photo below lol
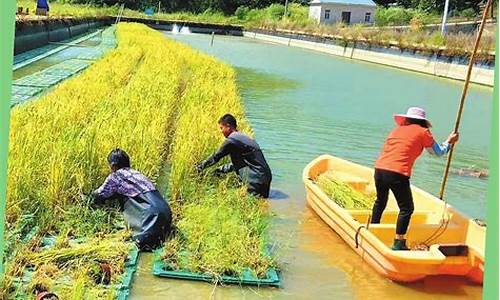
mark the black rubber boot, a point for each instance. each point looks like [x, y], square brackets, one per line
[399, 245]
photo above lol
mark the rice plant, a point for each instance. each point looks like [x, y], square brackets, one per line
[221, 229]
[343, 194]
[160, 101]
[58, 143]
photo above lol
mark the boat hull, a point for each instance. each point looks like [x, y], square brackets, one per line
[372, 241]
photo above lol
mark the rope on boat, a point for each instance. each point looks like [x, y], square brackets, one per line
[357, 235]
[367, 226]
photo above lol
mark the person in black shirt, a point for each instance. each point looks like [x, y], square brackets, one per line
[247, 159]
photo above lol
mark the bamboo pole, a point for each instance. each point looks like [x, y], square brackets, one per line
[464, 95]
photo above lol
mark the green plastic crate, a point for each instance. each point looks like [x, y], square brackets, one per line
[26, 90]
[92, 54]
[163, 270]
[122, 288]
[40, 79]
[130, 268]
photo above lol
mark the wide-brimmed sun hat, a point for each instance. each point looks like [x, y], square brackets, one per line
[413, 113]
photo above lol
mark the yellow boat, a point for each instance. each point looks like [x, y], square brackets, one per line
[456, 249]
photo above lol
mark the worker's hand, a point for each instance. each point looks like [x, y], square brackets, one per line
[452, 138]
[218, 172]
[85, 195]
[91, 199]
[198, 168]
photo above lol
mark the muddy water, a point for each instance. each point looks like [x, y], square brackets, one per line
[302, 104]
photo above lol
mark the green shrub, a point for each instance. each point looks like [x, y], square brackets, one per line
[275, 11]
[468, 13]
[436, 39]
[417, 24]
[242, 12]
[393, 16]
[298, 13]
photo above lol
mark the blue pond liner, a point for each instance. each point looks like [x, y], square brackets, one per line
[161, 269]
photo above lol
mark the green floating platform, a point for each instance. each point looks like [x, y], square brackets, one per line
[130, 268]
[92, 54]
[122, 288]
[31, 86]
[26, 90]
[71, 65]
[247, 278]
[40, 80]
[21, 94]
[53, 75]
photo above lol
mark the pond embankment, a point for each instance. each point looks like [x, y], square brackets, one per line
[417, 60]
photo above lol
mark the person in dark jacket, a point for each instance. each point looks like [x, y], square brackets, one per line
[145, 210]
[247, 159]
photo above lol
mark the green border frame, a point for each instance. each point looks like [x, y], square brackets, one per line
[7, 21]
[491, 284]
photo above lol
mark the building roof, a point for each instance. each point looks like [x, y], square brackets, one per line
[352, 2]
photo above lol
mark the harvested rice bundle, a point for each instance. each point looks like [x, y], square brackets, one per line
[81, 270]
[343, 194]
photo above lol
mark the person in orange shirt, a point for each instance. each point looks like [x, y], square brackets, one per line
[393, 168]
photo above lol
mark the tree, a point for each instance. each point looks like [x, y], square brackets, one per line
[228, 7]
[436, 6]
[384, 3]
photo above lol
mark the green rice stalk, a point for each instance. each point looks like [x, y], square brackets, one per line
[343, 194]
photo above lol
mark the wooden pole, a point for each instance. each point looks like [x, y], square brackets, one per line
[464, 95]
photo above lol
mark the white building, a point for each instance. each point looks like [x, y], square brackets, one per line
[346, 11]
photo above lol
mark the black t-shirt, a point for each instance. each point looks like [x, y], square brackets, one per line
[247, 159]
